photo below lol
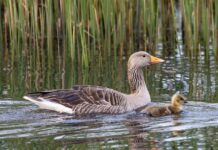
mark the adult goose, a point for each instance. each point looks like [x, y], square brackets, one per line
[87, 99]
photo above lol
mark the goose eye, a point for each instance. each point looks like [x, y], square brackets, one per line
[143, 55]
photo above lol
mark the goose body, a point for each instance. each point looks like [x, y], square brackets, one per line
[156, 110]
[88, 99]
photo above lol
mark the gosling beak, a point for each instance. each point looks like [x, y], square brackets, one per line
[185, 100]
[155, 60]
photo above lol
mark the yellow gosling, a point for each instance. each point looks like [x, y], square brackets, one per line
[176, 106]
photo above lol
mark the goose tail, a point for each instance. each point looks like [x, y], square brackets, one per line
[46, 104]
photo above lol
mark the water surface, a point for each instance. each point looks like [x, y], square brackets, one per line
[33, 62]
[24, 126]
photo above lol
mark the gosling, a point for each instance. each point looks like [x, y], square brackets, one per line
[176, 107]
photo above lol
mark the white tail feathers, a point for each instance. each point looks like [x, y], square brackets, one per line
[46, 104]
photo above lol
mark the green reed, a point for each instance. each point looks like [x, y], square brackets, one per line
[215, 27]
[39, 34]
[199, 24]
[187, 25]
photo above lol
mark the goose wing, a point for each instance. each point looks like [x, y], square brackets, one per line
[81, 94]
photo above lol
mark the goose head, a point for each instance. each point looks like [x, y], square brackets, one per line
[142, 59]
[178, 100]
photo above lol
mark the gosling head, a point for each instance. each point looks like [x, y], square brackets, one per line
[178, 100]
[141, 59]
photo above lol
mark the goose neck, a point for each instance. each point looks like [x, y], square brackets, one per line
[136, 80]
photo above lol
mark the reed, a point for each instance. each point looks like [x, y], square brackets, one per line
[215, 26]
[199, 25]
[168, 29]
[68, 35]
[205, 26]
[187, 8]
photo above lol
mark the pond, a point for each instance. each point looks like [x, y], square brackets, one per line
[24, 126]
[57, 44]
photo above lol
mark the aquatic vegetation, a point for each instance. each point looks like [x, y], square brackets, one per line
[48, 37]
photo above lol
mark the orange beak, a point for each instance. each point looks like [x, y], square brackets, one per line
[155, 60]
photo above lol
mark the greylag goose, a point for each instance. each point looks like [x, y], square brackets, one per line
[154, 110]
[87, 99]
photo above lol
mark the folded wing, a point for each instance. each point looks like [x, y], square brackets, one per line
[79, 97]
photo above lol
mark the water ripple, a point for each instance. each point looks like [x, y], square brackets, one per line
[20, 119]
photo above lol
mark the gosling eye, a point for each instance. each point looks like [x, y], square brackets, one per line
[182, 99]
[143, 55]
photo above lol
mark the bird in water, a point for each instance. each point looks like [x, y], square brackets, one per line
[157, 110]
[91, 99]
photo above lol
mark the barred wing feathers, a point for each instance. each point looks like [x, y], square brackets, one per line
[85, 99]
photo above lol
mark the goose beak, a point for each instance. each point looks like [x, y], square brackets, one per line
[155, 60]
